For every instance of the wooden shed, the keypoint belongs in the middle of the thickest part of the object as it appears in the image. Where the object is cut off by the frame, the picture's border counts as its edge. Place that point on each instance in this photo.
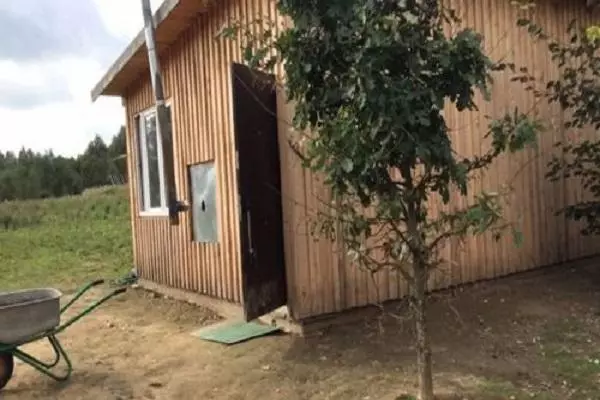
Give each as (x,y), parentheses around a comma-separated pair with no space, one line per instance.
(245,237)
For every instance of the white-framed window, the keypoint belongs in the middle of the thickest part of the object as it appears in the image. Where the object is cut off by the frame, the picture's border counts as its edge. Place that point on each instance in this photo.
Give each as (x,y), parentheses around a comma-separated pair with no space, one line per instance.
(152,190)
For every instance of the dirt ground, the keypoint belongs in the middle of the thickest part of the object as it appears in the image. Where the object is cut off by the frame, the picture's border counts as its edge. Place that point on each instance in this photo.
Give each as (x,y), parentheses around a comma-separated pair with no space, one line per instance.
(528,336)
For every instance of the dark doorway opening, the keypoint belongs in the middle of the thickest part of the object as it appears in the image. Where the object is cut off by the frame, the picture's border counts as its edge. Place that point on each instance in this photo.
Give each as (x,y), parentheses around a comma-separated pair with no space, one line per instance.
(259,183)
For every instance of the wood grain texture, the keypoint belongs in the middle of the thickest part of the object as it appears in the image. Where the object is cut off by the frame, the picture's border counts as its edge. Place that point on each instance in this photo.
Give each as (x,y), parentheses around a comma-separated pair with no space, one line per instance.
(320,278)
(197,82)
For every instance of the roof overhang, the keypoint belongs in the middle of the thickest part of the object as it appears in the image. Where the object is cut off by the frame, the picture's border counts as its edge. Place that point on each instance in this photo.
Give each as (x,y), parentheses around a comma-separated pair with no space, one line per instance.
(171,19)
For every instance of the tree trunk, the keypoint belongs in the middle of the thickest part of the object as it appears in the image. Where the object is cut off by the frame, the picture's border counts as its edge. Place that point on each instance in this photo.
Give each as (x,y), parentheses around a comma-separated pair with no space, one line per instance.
(423,347)
(420,272)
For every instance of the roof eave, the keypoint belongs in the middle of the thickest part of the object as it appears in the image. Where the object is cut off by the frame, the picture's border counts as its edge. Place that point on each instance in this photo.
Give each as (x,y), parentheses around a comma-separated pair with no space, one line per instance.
(103,87)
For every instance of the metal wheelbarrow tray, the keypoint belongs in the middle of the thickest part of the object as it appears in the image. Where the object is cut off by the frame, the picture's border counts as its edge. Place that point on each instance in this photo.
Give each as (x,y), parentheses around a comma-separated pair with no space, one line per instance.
(27,316)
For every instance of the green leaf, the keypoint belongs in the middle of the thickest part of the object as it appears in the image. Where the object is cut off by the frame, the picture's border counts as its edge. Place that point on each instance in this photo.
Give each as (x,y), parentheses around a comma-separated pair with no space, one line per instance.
(229,32)
(517,236)
(248,54)
(347,165)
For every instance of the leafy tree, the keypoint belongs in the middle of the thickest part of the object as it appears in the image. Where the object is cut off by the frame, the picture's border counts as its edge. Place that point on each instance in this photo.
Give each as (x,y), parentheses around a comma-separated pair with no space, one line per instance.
(370,81)
(593,33)
(29,175)
(117,152)
(8,185)
(94,163)
(577,92)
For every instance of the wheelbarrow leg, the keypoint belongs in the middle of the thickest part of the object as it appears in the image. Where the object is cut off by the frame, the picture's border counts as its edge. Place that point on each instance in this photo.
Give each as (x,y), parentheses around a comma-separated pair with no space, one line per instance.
(57,355)
(8,351)
(6,368)
(45,368)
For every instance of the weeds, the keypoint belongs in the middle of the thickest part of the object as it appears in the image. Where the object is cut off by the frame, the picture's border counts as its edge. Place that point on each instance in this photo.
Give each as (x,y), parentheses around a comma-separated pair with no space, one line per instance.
(66,241)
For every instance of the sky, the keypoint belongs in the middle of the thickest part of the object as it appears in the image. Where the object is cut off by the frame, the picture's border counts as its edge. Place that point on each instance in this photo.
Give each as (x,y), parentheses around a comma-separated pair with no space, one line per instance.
(52,53)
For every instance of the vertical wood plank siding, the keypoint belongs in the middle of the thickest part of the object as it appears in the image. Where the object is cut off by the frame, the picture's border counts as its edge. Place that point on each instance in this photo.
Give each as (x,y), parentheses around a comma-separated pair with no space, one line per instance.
(320,278)
(197,82)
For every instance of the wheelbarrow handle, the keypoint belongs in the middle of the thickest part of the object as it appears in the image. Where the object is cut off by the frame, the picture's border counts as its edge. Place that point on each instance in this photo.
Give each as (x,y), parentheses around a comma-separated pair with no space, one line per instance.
(97,282)
(81,292)
(89,309)
(118,291)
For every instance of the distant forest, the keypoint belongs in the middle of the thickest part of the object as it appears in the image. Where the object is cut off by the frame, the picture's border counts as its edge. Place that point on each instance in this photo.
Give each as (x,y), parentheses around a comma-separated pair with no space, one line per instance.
(31,175)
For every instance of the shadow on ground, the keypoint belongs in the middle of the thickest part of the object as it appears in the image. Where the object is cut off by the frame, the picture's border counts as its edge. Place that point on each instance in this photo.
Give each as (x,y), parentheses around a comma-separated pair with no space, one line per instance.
(490,340)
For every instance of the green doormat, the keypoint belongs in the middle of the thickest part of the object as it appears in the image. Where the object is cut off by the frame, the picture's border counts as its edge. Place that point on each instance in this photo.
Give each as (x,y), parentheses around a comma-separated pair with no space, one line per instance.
(235,332)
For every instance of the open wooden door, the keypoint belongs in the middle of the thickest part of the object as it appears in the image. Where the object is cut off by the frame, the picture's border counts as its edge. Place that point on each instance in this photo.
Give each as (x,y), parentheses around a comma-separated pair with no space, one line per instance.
(259,183)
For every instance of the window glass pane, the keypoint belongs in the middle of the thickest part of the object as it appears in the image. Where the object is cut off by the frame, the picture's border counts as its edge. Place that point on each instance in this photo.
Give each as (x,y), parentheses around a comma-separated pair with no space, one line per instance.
(140,163)
(204,202)
(152,144)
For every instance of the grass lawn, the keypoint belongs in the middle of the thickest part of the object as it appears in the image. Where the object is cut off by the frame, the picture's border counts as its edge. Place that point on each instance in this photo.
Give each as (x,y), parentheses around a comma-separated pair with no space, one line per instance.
(65,242)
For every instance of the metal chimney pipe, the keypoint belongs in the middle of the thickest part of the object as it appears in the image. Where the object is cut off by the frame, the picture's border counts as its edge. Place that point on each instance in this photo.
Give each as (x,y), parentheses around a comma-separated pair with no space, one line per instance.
(163,118)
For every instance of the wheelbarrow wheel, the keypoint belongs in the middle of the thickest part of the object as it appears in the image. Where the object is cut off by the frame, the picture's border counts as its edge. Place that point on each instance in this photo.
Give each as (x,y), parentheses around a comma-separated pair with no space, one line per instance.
(7,366)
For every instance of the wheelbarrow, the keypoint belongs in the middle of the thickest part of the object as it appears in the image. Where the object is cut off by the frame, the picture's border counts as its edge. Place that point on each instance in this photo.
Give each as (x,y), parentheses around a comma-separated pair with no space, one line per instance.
(27,316)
